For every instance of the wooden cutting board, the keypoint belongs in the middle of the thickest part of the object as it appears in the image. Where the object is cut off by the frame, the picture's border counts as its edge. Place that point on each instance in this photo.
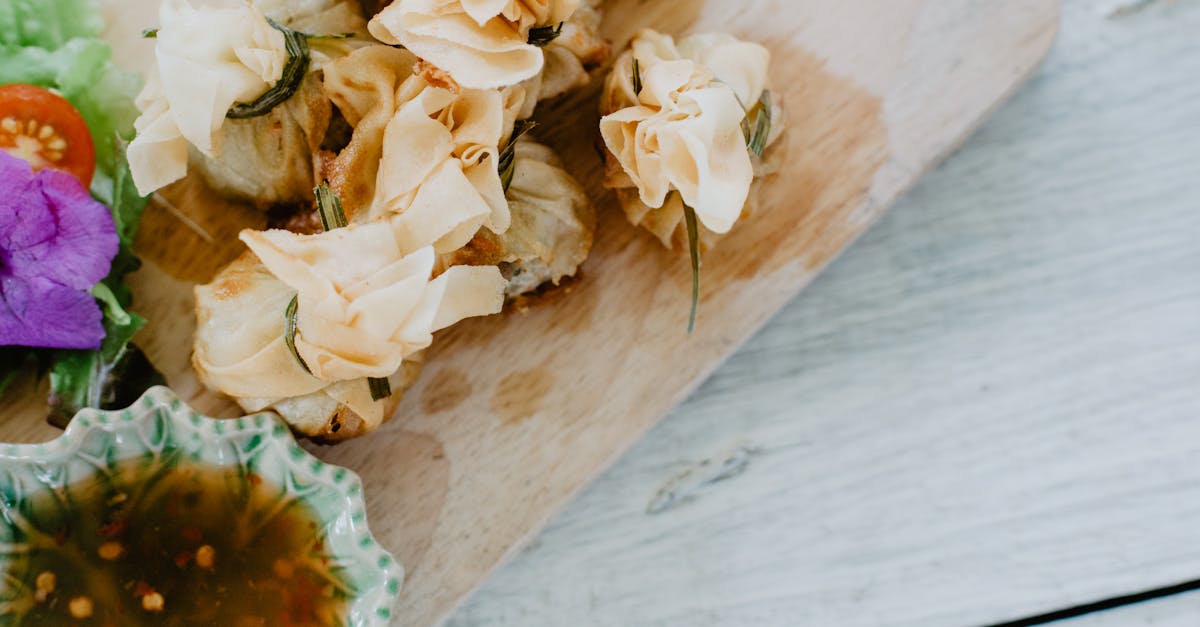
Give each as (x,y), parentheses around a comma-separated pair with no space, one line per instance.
(516,413)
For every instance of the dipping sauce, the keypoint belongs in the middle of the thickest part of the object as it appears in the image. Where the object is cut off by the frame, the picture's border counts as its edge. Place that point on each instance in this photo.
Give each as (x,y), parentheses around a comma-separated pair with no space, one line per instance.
(167,543)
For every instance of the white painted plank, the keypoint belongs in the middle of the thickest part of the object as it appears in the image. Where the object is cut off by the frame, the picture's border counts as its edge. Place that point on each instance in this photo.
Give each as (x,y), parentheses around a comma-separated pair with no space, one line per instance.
(1177,611)
(987,409)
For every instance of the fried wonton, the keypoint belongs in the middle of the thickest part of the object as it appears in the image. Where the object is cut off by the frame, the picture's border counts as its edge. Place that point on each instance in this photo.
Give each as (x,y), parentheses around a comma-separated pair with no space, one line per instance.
(211,56)
(553,224)
(686,124)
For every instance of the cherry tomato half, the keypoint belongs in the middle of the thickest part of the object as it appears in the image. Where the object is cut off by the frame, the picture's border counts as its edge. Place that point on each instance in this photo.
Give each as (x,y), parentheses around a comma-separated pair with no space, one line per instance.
(42,128)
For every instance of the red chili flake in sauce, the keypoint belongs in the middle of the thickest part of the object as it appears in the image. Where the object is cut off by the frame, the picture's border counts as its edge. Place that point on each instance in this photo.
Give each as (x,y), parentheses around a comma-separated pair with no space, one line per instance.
(114,528)
(192,534)
(183,558)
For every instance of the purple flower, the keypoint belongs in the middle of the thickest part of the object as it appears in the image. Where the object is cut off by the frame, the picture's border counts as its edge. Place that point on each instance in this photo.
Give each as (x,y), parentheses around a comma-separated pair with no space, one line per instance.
(56,242)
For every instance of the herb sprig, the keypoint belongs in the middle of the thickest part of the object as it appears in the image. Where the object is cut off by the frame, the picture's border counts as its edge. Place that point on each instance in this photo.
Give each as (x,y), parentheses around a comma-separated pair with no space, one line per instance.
(329,207)
(506,164)
(756,126)
(693,233)
(541,36)
(294,70)
(380,388)
(289,331)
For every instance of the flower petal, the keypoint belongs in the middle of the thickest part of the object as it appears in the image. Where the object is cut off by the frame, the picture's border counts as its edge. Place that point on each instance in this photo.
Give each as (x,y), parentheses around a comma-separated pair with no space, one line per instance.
(24,221)
(80,253)
(41,313)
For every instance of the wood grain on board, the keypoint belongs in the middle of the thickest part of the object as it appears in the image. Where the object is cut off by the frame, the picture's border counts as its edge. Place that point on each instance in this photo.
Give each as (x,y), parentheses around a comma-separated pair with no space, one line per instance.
(516,413)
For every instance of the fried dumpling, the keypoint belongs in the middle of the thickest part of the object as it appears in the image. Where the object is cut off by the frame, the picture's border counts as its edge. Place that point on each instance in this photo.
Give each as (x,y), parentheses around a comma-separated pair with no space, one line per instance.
(359,301)
(423,147)
(480,43)
(270,159)
(240,336)
(197,77)
(553,224)
(362,305)
(677,127)
(363,87)
(365,301)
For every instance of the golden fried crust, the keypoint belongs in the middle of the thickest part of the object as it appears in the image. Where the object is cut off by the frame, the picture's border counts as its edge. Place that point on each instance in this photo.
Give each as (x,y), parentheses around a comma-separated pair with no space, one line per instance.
(435,76)
(485,249)
(235,277)
(348,175)
(344,424)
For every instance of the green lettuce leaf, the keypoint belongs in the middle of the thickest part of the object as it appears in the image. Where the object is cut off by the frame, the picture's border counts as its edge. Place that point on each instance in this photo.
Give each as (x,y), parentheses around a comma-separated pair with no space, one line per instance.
(127,207)
(109,378)
(47,23)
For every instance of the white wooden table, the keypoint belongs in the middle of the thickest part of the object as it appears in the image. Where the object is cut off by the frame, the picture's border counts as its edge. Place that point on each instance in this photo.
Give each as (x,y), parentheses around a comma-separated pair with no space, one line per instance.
(989,408)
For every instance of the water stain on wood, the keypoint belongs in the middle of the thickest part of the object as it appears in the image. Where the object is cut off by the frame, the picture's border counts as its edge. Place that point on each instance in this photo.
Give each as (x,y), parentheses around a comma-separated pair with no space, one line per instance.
(520,394)
(190,231)
(836,141)
(445,391)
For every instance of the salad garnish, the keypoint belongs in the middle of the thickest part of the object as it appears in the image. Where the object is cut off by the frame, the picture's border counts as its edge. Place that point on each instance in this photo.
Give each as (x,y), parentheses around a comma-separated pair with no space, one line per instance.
(73,111)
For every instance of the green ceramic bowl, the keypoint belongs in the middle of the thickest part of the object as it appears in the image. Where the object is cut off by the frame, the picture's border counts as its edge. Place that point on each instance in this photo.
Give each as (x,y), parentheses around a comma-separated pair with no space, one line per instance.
(157,434)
